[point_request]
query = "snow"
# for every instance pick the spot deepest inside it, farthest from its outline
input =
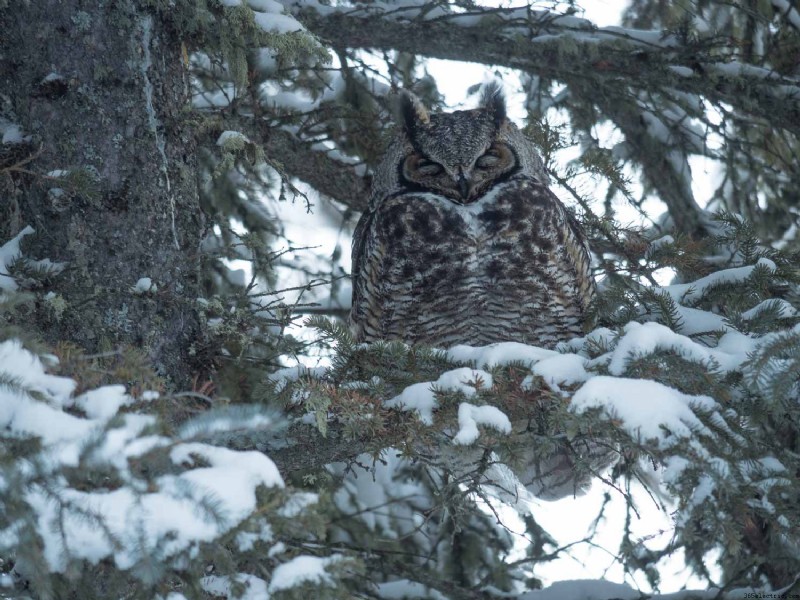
(22, 416)
(220, 98)
(681, 71)
(246, 540)
(420, 397)
(584, 589)
(361, 495)
(297, 504)
(12, 134)
(662, 241)
(276, 550)
(403, 589)
(147, 519)
(227, 479)
(255, 587)
(245, 418)
(602, 337)
(646, 409)
(232, 476)
(643, 406)
(784, 308)
(158, 518)
(771, 463)
(647, 37)
(282, 377)
(267, 61)
(144, 285)
(272, 6)
(301, 101)
(620, 397)
(470, 416)
(299, 570)
(278, 23)
(737, 69)
(104, 402)
(502, 353)
(162, 523)
(9, 252)
(231, 139)
(656, 127)
(788, 12)
(562, 369)
(694, 321)
(704, 489)
(788, 236)
(16, 407)
(269, 15)
(641, 339)
(238, 277)
(512, 22)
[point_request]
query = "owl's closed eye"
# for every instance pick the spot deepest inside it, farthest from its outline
(462, 182)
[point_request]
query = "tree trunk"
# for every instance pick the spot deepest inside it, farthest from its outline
(111, 189)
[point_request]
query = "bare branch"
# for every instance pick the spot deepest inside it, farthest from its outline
(326, 175)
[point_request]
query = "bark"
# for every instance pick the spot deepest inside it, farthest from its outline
(100, 90)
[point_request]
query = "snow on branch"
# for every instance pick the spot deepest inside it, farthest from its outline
(421, 398)
(598, 589)
(540, 42)
(682, 407)
(159, 499)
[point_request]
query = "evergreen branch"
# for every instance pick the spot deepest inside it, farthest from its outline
(598, 56)
(294, 157)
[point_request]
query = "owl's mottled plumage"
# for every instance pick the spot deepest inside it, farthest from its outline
(463, 242)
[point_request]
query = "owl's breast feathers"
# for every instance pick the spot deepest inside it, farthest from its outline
(513, 266)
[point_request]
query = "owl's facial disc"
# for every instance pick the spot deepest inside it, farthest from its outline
(463, 183)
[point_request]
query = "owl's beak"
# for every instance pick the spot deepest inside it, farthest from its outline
(463, 183)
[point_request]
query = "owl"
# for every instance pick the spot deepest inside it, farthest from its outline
(463, 242)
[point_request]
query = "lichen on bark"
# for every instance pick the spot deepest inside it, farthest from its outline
(125, 164)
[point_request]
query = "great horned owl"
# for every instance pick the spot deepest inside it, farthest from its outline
(463, 242)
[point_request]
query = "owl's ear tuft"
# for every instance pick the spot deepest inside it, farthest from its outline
(494, 102)
(412, 112)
